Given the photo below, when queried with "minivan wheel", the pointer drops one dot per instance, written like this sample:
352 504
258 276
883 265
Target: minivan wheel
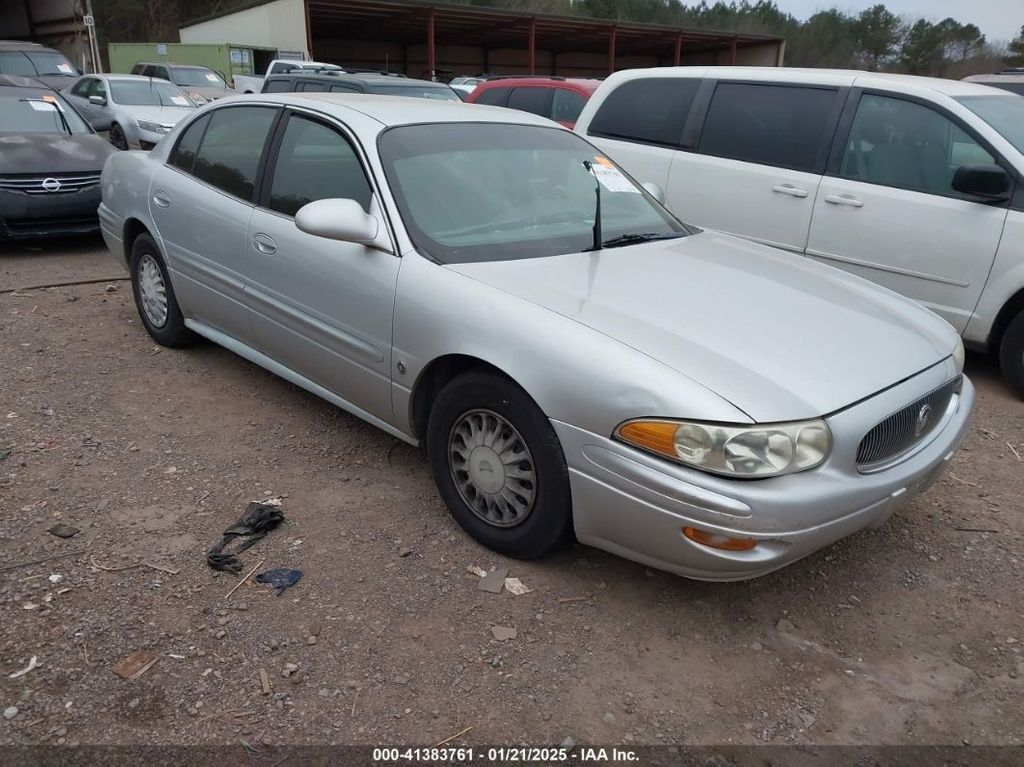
154 295
1011 354
499 466
117 137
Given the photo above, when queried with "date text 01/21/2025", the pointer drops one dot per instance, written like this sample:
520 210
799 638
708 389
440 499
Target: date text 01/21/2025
503 754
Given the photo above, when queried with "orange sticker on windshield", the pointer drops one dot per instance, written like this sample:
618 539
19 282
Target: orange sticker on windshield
604 161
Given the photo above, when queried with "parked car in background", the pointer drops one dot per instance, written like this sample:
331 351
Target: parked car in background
50 163
371 82
200 84
557 98
465 84
23 59
1011 80
914 183
254 83
427 266
136 111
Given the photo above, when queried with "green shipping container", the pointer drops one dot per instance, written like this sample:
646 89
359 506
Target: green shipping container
227 59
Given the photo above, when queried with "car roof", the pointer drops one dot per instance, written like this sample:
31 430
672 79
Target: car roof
16 45
518 82
112 76
369 78
170 64
998 77
837 77
401 110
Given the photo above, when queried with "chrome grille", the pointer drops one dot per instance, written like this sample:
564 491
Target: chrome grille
64 183
905 428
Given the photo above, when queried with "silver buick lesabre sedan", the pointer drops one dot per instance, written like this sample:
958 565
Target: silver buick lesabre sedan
576 361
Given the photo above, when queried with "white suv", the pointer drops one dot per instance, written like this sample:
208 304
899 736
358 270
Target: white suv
914 183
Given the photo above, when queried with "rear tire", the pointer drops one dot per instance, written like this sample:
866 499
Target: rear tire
1011 354
499 466
154 295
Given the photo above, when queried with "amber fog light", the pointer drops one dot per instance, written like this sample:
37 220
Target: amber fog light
719 541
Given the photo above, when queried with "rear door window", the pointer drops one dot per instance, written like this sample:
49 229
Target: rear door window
650 110
534 100
780 125
567 105
313 85
495 97
184 155
231 148
278 86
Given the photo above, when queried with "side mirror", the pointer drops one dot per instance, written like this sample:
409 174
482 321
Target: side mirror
342 219
100 101
654 191
986 182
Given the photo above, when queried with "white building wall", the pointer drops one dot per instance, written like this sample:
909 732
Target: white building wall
279 24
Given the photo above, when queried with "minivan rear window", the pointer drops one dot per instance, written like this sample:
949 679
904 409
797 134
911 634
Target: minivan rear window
650 110
781 125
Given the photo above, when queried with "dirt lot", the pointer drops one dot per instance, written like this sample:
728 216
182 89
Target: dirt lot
907 634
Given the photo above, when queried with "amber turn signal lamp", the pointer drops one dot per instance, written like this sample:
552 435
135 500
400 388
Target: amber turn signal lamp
718 541
656 436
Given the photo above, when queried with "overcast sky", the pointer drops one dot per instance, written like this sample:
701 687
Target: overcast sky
997 19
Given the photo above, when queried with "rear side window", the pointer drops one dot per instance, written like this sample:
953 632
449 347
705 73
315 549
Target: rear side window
343 89
277 86
778 125
496 97
534 100
650 110
137 69
184 155
312 85
567 105
16 63
231 149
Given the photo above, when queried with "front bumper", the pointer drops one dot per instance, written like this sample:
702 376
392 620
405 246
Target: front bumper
636 505
25 216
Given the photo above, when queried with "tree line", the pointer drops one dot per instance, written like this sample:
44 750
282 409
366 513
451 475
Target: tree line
875 39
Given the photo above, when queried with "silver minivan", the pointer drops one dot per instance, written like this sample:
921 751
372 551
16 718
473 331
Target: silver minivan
914 183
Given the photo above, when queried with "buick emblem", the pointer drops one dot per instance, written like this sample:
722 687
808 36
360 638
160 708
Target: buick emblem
922 419
51 185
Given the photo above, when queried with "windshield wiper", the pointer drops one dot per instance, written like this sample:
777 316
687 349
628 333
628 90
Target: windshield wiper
633 238
598 244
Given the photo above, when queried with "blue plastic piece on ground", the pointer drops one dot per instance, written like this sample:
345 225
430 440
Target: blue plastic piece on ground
280 579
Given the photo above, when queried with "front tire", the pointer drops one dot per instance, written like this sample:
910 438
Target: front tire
154 295
117 137
1011 354
499 466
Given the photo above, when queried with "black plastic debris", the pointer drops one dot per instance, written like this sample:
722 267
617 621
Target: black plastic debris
279 579
64 531
258 520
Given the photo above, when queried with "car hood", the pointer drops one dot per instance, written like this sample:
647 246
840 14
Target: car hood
778 336
53 152
162 115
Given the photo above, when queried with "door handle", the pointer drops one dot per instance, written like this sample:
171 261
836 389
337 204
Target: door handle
264 244
789 189
843 199
161 199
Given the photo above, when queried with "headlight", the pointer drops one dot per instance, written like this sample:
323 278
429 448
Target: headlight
958 355
152 127
767 450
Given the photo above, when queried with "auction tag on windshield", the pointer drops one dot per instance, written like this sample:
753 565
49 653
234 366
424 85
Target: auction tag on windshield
66 69
181 101
610 177
53 100
43 106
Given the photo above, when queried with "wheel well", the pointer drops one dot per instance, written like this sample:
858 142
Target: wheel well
132 229
1010 309
434 378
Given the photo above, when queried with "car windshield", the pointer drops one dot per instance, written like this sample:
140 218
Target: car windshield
156 93
1004 113
493 192
197 78
421 92
42 113
51 63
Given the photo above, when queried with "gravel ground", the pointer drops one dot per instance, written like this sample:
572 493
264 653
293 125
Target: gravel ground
909 634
